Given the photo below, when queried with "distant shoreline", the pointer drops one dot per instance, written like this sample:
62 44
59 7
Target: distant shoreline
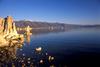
36 24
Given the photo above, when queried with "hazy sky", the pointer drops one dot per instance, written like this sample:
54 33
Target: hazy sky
64 11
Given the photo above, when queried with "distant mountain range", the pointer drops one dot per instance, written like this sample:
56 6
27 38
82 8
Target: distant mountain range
46 25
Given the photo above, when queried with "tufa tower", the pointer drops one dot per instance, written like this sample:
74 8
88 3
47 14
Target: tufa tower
7 26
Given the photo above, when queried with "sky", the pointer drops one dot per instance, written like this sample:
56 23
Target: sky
62 11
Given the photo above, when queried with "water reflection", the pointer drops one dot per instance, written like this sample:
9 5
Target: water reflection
28 39
9 57
28 34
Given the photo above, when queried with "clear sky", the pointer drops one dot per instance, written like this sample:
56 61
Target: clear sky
64 11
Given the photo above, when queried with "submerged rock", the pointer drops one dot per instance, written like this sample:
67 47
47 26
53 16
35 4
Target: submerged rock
38 49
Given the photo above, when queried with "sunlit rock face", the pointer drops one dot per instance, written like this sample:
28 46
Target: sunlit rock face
8 32
1 25
10 41
1 21
9 26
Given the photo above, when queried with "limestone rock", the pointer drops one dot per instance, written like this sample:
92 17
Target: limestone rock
1 24
9 19
7 25
8 32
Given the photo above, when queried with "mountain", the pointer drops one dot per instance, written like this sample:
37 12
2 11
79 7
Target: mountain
35 24
46 27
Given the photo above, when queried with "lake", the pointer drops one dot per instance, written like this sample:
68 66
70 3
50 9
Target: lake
71 48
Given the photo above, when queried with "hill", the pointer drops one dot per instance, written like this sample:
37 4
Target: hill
46 25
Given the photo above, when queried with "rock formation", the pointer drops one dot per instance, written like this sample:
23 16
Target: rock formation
1 24
7 26
8 32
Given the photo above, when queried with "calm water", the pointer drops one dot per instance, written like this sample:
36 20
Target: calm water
70 48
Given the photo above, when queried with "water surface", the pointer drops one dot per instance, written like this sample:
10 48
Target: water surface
69 48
